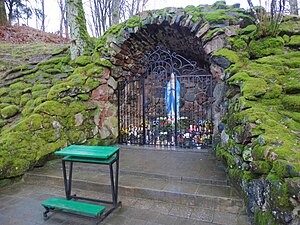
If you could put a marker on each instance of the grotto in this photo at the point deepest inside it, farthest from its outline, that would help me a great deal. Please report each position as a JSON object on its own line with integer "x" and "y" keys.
{"x": 242, "y": 84}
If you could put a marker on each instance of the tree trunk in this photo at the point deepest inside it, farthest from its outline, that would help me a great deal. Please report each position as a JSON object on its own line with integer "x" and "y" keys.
{"x": 43, "y": 15}
{"x": 79, "y": 35}
{"x": 3, "y": 17}
{"x": 66, "y": 21}
{"x": 115, "y": 11}
{"x": 253, "y": 11}
{"x": 294, "y": 7}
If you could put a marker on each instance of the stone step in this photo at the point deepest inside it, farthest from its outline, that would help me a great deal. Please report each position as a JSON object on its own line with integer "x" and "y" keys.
{"x": 27, "y": 198}
{"x": 217, "y": 197}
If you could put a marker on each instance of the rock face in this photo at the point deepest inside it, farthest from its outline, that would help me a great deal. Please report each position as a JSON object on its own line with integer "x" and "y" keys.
{"x": 256, "y": 107}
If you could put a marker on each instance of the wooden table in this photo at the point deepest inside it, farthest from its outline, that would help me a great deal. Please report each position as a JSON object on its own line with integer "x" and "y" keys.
{"x": 105, "y": 155}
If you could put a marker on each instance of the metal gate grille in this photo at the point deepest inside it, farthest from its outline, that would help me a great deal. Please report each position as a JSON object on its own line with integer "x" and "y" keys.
{"x": 169, "y": 104}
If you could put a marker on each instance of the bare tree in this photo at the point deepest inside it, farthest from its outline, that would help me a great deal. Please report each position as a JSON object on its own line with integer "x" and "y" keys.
{"x": 257, "y": 21}
{"x": 79, "y": 36}
{"x": 40, "y": 15}
{"x": 63, "y": 24}
{"x": 115, "y": 11}
{"x": 3, "y": 17}
{"x": 18, "y": 10}
{"x": 105, "y": 13}
{"x": 294, "y": 7}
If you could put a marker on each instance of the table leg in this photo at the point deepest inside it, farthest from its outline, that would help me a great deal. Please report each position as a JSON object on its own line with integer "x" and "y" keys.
{"x": 117, "y": 179}
{"x": 67, "y": 181}
{"x": 112, "y": 181}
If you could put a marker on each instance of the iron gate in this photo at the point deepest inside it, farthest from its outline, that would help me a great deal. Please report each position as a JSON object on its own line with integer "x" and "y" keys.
{"x": 167, "y": 104}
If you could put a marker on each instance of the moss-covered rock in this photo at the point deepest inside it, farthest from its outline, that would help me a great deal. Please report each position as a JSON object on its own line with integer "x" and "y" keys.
{"x": 52, "y": 108}
{"x": 260, "y": 167}
{"x": 232, "y": 56}
{"x": 9, "y": 111}
{"x": 266, "y": 46}
{"x": 294, "y": 41}
{"x": 60, "y": 102}
{"x": 292, "y": 102}
{"x": 83, "y": 60}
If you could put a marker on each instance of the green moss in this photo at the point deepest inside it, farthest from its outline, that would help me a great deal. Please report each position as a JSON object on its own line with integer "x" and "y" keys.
{"x": 278, "y": 197}
{"x": 248, "y": 176}
{"x": 270, "y": 73}
{"x": 83, "y": 70}
{"x": 227, "y": 158}
{"x": 195, "y": 11}
{"x": 286, "y": 38}
{"x": 292, "y": 102}
{"x": 293, "y": 186}
{"x": 293, "y": 115}
{"x": 211, "y": 33}
{"x": 239, "y": 44}
{"x": 3, "y": 123}
{"x": 261, "y": 217}
{"x": 292, "y": 86}
{"x": 294, "y": 41}
{"x": 12, "y": 100}
{"x": 266, "y": 46}
{"x": 232, "y": 56}
{"x": 284, "y": 169}
{"x": 24, "y": 99}
{"x": 91, "y": 83}
{"x": 60, "y": 90}
{"x": 83, "y": 97}
{"x": 77, "y": 79}
{"x": 220, "y": 5}
{"x": 273, "y": 91}
{"x": 4, "y": 91}
{"x": 132, "y": 22}
{"x": 49, "y": 135}
{"x": 40, "y": 93}
{"x": 238, "y": 78}
{"x": 20, "y": 85}
{"x": 254, "y": 88}
{"x": 39, "y": 100}
{"x": 76, "y": 136}
{"x": 249, "y": 29}
{"x": 83, "y": 60}
{"x": 219, "y": 16}
{"x": 50, "y": 148}
{"x": 31, "y": 123}
{"x": 52, "y": 108}
{"x": 95, "y": 71}
{"x": 9, "y": 111}
{"x": 290, "y": 26}
{"x": 28, "y": 108}
{"x": 76, "y": 107}
{"x": 52, "y": 61}
{"x": 234, "y": 68}
{"x": 105, "y": 63}
{"x": 107, "y": 141}
{"x": 39, "y": 87}
{"x": 260, "y": 167}
{"x": 289, "y": 59}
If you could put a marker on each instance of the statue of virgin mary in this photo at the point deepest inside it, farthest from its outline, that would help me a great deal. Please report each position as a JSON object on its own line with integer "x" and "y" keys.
{"x": 172, "y": 94}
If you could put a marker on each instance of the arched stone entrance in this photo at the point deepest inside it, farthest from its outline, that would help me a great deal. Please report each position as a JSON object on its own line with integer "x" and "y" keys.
{"x": 177, "y": 33}
{"x": 167, "y": 102}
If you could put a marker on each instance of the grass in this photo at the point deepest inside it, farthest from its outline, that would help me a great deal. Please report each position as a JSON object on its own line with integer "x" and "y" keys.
{"x": 12, "y": 55}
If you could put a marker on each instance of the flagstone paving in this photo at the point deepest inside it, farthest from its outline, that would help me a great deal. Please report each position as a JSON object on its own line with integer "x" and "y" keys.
{"x": 157, "y": 187}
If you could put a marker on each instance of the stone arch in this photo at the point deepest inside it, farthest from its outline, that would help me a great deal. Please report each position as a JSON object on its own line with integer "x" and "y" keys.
{"x": 172, "y": 30}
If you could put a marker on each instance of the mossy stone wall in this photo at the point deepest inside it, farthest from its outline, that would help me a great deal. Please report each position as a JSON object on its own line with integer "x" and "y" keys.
{"x": 58, "y": 102}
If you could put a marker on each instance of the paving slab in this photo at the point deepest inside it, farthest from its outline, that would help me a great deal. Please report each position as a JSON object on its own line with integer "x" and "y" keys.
{"x": 157, "y": 187}
{"x": 21, "y": 204}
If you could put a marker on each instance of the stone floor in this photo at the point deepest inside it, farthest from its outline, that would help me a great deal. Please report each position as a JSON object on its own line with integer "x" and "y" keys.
{"x": 157, "y": 187}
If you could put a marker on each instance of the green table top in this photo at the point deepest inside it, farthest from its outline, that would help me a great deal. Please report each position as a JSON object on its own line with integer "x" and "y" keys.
{"x": 95, "y": 152}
